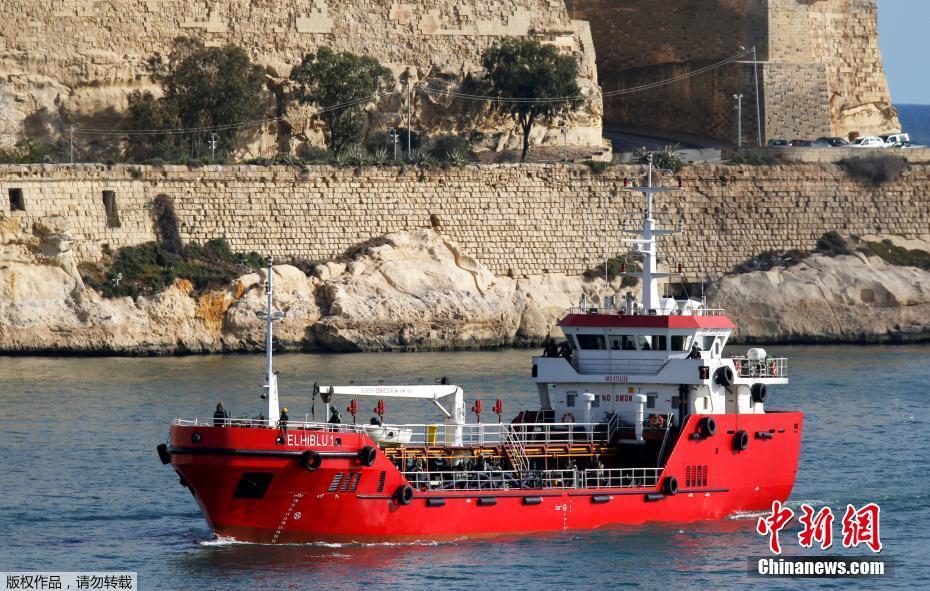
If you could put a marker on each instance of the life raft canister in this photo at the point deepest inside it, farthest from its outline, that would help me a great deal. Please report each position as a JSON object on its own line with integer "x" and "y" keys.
{"x": 568, "y": 418}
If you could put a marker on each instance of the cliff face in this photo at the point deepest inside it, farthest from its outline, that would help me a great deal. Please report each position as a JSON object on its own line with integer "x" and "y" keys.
{"x": 820, "y": 68}
{"x": 76, "y": 62}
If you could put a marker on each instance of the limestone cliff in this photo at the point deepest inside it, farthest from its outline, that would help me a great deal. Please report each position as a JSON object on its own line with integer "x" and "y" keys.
{"x": 417, "y": 290}
{"x": 847, "y": 299}
{"x": 75, "y": 62}
{"x": 407, "y": 291}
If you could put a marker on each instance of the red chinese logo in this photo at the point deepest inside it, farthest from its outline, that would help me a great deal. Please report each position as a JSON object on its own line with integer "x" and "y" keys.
{"x": 773, "y": 524}
{"x": 816, "y": 527}
{"x": 861, "y": 527}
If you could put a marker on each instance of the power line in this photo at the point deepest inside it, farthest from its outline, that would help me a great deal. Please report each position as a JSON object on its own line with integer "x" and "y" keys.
{"x": 620, "y": 92}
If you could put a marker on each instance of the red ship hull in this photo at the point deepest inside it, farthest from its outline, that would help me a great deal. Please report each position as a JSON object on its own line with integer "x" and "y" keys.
{"x": 298, "y": 506}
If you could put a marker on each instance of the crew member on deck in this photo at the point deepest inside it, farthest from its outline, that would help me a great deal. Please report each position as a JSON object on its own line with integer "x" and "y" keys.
{"x": 334, "y": 417}
{"x": 282, "y": 422}
{"x": 220, "y": 416}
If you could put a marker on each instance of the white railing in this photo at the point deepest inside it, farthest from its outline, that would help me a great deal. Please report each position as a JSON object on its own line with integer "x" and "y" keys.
{"x": 622, "y": 477}
{"x": 441, "y": 434}
{"x": 619, "y": 310}
{"x": 770, "y": 367}
{"x": 265, "y": 423}
{"x": 534, "y": 479}
{"x": 478, "y": 434}
{"x": 493, "y": 480}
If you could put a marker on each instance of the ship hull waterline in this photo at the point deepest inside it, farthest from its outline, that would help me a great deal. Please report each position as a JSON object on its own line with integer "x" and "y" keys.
{"x": 715, "y": 478}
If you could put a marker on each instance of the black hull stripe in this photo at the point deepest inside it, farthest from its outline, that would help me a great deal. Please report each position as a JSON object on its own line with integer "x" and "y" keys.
{"x": 225, "y": 451}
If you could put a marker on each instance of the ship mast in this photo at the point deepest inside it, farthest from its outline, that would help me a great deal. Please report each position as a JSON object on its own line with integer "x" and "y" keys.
{"x": 271, "y": 380}
{"x": 646, "y": 245}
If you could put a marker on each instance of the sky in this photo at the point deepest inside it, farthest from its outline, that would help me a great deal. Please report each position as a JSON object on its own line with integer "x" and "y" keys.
{"x": 902, "y": 25}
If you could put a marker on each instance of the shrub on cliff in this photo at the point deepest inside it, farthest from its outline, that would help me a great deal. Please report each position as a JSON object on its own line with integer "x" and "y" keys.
{"x": 668, "y": 158}
{"x": 876, "y": 169}
{"x": 149, "y": 268}
{"x": 340, "y": 85}
{"x": 896, "y": 255}
{"x": 616, "y": 266}
{"x": 25, "y": 151}
{"x": 531, "y": 81}
{"x": 211, "y": 89}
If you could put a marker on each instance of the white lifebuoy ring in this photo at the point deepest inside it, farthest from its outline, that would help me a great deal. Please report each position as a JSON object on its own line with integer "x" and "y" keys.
{"x": 568, "y": 418}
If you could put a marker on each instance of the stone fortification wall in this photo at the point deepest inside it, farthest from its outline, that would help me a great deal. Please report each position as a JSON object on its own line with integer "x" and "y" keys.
{"x": 518, "y": 220}
{"x": 76, "y": 61}
{"x": 820, "y": 68}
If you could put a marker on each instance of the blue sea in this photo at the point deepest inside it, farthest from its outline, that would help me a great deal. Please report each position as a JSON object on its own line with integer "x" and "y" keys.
{"x": 83, "y": 488}
{"x": 915, "y": 120}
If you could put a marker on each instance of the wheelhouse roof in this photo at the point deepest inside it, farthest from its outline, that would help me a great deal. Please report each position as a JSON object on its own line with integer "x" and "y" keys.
{"x": 642, "y": 321}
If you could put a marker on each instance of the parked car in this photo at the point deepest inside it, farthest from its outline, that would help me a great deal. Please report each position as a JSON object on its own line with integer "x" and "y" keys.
{"x": 897, "y": 140}
{"x": 836, "y": 142}
{"x": 777, "y": 143}
{"x": 800, "y": 143}
{"x": 819, "y": 144}
{"x": 868, "y": 141}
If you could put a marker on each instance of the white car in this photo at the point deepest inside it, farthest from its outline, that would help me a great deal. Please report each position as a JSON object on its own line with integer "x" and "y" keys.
{"x": 868, "y": 142}
{"x": 897, "y": 140}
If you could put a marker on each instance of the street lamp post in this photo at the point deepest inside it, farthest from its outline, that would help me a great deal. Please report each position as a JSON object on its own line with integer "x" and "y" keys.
{"x": 739, "y": 119}
{"x": 755, "y": 71}
{"x": 564, "y": 130}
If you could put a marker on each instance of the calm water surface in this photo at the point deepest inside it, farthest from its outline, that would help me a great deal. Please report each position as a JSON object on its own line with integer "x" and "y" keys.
{"x": 83, "y": 488}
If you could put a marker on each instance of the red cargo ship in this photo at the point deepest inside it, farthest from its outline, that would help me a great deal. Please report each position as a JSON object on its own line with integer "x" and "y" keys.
{"x": 641, "y": 419}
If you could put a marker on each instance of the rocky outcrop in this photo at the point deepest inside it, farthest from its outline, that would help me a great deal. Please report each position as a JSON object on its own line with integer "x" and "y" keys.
{"x": 846, "y": 299}
{"x": 406, "y": 291}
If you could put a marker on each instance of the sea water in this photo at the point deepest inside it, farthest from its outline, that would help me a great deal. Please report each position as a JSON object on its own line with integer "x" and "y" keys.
{"x": 83, "y": 490}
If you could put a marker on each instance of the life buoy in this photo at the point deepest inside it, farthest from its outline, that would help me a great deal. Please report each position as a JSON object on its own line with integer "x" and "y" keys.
{"x": 773, "y": 368}
{"x": 568, "y": 418}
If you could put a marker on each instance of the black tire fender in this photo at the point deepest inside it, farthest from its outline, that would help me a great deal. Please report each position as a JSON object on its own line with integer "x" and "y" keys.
{"x": 707, "y": 427}
{"x": 163, "y": 454}
{"x": 724, "y": 376}
{"x": 759, "y": 392}
{"x": 670, "y": 485}
{"x": 404, "y": 494}
{"x": 367, "y": 456}
{"x": 740, "y": 441}
{"x": 311, "y": 460}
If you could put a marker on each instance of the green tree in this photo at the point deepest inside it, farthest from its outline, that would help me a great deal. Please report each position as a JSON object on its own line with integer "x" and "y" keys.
{"x": 543, "y": 79}
{"x": 340, "y": 85}
{"x": 204, "y": 87}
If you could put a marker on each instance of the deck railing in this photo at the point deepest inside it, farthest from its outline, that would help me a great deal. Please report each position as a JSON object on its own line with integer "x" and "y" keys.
{"x": 770, "y": 367}
{"x": 619, "y": 310}
{"x": 534, "y": 479}
{"x": 441, "y": 434}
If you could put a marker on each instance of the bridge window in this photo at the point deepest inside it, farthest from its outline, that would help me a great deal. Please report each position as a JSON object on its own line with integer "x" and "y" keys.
{"x": 679, "y": 343}
{"x": 659, "y": 342}
{"x": 625, "y": 342}
{"x": 570, "y": 399}
{"x": 591, "y": 341}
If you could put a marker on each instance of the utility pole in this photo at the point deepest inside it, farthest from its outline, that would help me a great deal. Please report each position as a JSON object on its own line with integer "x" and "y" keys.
{"x": 214, "y": 138}
{"x": 392, "y": 133}
{"x": 564, "y": 130}
{"x": 72, "y": 144}
{"x": 755, "y": 71}
{"x": 739, "y": 119}
{"x": 409, "y": 116}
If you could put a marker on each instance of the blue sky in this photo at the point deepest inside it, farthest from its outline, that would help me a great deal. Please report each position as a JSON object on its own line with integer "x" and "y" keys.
{"x": 902, "y": 26}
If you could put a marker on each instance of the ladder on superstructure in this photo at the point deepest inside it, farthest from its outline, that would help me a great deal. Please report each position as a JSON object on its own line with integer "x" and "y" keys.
{"x": 516, "y": 452}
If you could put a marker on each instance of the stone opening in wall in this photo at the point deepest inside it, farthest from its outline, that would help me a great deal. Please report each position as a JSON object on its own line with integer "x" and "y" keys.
{"x": 109, "y": 206}
{"x": 17, "y": 203}
{"x": 434, "y": 221}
